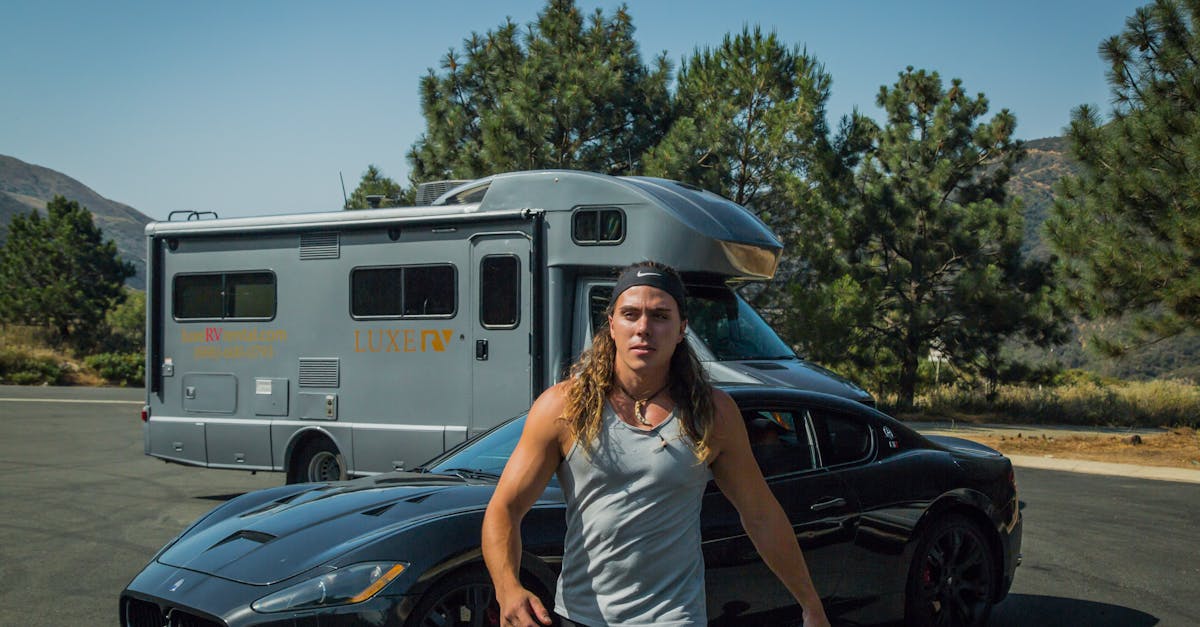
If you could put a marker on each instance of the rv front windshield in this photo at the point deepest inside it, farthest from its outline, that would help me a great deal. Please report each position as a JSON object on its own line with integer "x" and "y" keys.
{"x": 728, "y": 325}
{"x": 731, "y": 328}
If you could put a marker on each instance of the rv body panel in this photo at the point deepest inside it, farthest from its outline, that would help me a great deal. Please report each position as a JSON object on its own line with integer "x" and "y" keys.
{"x": 390, "y": 335}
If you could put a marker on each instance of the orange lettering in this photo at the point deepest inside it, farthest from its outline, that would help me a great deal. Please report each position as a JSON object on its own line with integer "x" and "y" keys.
{"x": 392, "y": 334}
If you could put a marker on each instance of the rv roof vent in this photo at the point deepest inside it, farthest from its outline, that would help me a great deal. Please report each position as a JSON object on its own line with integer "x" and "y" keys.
{"x": 429, "y": 192}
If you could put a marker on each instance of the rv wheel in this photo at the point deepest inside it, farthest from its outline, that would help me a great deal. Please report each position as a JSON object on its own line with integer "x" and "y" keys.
{"x": 316, "y": 461}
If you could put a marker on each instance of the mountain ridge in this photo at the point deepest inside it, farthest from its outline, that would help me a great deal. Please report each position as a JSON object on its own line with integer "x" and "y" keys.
{"x": 25, "y": 186}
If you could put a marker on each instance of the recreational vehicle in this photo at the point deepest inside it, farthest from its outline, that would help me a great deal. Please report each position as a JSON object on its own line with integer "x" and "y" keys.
{"x": 327, "y": 345}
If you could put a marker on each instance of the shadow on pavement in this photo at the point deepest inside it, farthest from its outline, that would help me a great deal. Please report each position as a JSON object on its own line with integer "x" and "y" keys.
{"x": 1034, "y": 609}
{"x": 220, "y": 497}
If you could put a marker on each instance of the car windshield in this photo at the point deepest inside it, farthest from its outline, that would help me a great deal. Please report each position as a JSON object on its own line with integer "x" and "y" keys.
{"x": 483, "y": 456}
{"x": 727, "y": 325}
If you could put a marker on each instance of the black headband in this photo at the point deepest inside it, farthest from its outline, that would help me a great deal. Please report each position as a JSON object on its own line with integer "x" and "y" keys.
{"x": 654, "y": 277}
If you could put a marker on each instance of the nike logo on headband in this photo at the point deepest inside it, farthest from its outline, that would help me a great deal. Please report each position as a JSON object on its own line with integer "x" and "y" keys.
{"x": 642, "y": 274}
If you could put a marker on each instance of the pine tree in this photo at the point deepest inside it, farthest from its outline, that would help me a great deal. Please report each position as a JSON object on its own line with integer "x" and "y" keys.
{"x": 564, "y": 92}
{"x": 750, "y": 124}
{"x": 375, "y": 191}
{"x": 927, "y": 250}
{"x": 1127, "y": 227}
{"x": 59, "y": 272}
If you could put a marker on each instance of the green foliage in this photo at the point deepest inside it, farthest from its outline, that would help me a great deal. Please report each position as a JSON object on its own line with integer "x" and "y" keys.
{"x": 59, "y": 272}
{"x": 750, "y": 116}
{"x": 1128, "y": 225}
{"x": 119, "y": 368}
{"x": 376, "y": 191}
{"x": 564, "y": 92}
{"x": 125, "y": 324}
{"x": 926, "y": 252}
{"x": 750, "y": 124}
{"x": 22, "y": 367}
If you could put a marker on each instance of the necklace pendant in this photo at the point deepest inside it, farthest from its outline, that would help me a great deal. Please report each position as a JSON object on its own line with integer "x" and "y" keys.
{"x": 639, "y": 410}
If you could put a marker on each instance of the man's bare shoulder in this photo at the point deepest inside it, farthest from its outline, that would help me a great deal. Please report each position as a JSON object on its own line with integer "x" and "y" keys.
{"x": 728, "y": 426}
{"x": 548, "y": 409}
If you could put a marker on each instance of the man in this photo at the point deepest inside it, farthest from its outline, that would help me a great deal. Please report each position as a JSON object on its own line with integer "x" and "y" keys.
{"x": 634, "y": 435}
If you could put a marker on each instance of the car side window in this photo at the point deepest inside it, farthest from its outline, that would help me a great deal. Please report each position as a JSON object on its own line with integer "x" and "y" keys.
{"x": 841, "y": 438}
{"x": 779, "y": 440}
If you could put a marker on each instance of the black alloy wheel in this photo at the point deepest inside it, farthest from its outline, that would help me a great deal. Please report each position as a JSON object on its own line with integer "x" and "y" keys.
{"x": 952, "y": 576}
{"x": 464, "y": 599}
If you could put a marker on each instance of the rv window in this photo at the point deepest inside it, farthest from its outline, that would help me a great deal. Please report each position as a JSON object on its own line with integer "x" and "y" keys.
{"x": 235, "y": 295}
{"x": 250, "y": 295}
{"x": 598, "y": 226}
{"x": 429, "y": 291}
{"x": 375, "y": 291}
{"x": 499, "y": 291}
{"x": 197, "y": 296}
{"x": 402, "y": 291}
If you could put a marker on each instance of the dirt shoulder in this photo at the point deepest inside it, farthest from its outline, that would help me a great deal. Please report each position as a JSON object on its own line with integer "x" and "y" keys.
{"x": 1171, "y": 448}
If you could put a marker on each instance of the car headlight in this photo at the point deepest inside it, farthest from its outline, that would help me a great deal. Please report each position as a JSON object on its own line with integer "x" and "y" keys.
{"x": 341, "y": 586}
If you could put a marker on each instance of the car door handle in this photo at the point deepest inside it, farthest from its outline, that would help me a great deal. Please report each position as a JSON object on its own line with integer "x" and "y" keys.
{"x": 828, "y": 504}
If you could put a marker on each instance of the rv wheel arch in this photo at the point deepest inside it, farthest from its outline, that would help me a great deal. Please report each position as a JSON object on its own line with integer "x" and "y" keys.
{"x": 314, "y": 457}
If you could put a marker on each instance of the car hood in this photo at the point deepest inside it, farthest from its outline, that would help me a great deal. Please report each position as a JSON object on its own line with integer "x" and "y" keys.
{"x": 797, "y": 373}
{"x": 269, "y": 542}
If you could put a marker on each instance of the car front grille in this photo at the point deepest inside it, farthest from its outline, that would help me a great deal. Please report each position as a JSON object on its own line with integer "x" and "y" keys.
{"x": 140, "y": 613}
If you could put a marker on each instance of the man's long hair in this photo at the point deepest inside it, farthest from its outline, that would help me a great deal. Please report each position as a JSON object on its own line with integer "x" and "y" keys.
{"x": 593, "y": 379}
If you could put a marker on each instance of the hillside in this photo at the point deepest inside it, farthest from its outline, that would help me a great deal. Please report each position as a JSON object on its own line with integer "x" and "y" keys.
{"x": 24, "y": 186}
{"x": 1046, "y": 161}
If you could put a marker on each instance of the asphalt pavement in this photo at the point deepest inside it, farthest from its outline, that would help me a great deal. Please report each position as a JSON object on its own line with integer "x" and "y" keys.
{"x": 82, "y": 509}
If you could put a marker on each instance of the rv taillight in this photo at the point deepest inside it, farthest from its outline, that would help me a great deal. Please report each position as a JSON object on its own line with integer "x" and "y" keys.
{"x": 145, "y": 413}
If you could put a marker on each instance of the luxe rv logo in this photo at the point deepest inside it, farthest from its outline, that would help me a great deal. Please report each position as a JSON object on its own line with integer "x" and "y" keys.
{"x": 223, "y": 343}
{"x": 401, "y": 340}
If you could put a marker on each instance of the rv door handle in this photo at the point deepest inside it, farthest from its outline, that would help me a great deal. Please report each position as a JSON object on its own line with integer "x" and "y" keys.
{"x": 481, "y": 350}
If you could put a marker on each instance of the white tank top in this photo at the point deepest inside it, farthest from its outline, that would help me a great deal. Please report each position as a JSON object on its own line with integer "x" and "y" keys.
{"x": 632, "y": 552}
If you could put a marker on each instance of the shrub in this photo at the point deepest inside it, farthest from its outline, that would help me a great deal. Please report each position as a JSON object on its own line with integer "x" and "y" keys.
{"x": 119, "y": 368}
{"x": 19, "y": 366}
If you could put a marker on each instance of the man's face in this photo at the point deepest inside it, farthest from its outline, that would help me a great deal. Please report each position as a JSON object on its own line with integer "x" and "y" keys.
{"x": 647, "y": 326}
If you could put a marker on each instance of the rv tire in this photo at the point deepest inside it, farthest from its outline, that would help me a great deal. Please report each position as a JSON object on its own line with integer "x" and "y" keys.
{"x": 317, "y": 460}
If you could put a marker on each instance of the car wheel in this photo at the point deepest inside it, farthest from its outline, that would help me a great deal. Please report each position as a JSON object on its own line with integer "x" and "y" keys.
{"x": 952, "y": 576}
{"x": 464, "y": 598}
{"x": 317, "y": 461}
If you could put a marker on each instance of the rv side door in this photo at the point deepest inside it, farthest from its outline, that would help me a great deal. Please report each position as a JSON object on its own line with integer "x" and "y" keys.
{"x": 501, "y": 342}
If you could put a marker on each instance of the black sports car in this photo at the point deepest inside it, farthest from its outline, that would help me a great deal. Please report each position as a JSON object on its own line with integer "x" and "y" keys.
{"x": 894, "y": 526}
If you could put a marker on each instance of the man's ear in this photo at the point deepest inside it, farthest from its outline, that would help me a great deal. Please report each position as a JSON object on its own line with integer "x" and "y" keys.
{"x": 682, "y": 331}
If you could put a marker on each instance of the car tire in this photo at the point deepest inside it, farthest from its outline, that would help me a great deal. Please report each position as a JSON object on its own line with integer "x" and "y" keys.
{"x": 465, "y": 597}
{"x": 317, "y": 460}
{"x": 952, "y": 576}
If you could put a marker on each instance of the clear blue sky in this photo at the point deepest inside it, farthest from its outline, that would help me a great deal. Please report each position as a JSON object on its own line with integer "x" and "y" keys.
{"x": 253, "y": 107}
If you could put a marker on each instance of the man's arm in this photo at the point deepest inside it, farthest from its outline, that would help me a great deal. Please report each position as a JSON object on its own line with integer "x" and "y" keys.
{"x": 739, "y": 478}
{"x": 525, "y": 477}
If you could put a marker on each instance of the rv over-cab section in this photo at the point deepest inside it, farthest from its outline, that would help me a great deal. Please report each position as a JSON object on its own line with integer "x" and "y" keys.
{"x": 363, "y": 341}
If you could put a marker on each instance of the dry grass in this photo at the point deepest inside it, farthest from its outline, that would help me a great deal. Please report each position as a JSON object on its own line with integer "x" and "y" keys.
{"x": 1159, "y": 403}
{"x": 21, "y": 342}
{"x": 1176, "y": 448}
